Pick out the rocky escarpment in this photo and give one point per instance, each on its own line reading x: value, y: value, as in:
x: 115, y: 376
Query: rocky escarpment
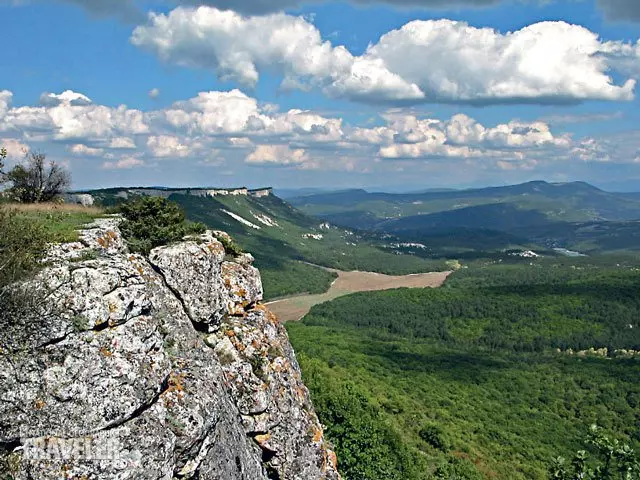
x: 153, y: 368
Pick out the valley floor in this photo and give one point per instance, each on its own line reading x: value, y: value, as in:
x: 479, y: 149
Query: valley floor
x: 296, y: 307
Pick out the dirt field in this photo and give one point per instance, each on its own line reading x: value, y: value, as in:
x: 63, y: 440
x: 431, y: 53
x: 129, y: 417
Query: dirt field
x: 294, y: 308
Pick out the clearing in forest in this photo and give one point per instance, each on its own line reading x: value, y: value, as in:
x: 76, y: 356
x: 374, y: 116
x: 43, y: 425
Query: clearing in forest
x: 294, y: 308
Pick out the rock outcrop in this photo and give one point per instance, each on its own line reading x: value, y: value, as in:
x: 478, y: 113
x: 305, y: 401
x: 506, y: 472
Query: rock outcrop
x: 166, y: 367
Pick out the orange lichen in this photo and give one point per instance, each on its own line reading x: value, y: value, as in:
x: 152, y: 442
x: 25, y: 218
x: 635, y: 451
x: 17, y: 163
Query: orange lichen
x: 106, y: 352
x: 176, y: 388
x: 333, y: 458
x: 39, y: 404
x: 262, y: 439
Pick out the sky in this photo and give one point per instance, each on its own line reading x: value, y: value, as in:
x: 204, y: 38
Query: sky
x: 395, y: 94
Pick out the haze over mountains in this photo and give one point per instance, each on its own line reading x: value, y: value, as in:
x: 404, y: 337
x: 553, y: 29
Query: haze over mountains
x: 551, y: 214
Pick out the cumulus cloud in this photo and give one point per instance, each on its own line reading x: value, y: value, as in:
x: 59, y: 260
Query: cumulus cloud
x: 277, y: 155
x: 218, y: 127
x: 123, y: 164
x: 167, y: 146
x: 122, y: 143
x: 237, y: 48
x: 15, y: 148
x: 67, y: 97
x: 547, y: 61
x: 154, y: 93
x: 423, y: 61
x: 462, y: 137
x: 623, y: 57
x: 82, y: 150
x: 70, y: 116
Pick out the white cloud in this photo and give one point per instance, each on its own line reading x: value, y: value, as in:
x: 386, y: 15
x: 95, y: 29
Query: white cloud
x: 67, y: 97
x: 591, y: 150
x: 237, y: 48
x: 15, y: 148
x: 5, y: 102
x: 227, y: 128
x: 461, y: 137
x: 277, y: 155
x: 84, y: 151
x: 423, y: 61
x: 71, y: 116
x: 623, y: 57
x: 154, y: 93
x: 123, y: 143
x: 124, y: 163
x: 546, y: 62
x: 167, y: 146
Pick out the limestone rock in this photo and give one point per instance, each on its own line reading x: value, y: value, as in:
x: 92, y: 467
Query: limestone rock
x: 110, y: 376
x: 192, y: 271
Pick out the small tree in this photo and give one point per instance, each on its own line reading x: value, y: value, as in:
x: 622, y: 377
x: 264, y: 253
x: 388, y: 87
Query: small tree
x: 612, y: 461
x: 150, y: 222
x: 37, y: 180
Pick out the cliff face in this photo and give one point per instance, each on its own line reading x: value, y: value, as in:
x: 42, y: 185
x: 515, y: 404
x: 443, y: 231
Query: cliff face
x: 159, y: 368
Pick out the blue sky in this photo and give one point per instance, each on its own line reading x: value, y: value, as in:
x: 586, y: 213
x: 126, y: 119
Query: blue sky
x: 296, y: 94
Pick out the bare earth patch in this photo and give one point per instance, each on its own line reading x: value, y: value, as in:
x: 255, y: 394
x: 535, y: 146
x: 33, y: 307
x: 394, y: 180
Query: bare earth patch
x: 294, y: 308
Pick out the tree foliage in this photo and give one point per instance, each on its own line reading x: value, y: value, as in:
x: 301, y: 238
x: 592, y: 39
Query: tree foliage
x: 610, y: 460
x: 467, y: 378
x: 37, y: 180
x: 150, y: 222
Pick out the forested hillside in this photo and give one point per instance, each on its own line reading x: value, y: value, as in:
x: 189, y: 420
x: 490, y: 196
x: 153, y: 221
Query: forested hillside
x: 574, y: 215
x: 490, y: 376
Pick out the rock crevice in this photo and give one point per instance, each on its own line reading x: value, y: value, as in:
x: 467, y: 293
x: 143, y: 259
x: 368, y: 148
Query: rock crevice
x: 170, y: 361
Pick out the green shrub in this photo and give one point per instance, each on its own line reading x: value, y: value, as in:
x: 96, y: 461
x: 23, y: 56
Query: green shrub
x: 433, y: 435
x: 230, y: 247
x: 151, y: 222
x: 457, y: 469
x: 23, y: 243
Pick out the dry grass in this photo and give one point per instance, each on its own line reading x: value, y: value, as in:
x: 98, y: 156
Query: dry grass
x: 294, y: 308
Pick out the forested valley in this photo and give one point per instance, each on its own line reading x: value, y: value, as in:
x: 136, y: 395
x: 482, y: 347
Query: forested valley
x: 494, y: 375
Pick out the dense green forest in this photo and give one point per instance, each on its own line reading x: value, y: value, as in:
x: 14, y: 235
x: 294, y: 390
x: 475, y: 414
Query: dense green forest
x: 475, y: 380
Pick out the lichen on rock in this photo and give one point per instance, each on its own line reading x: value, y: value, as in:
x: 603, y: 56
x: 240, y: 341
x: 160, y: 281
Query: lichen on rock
x: 171, y: 361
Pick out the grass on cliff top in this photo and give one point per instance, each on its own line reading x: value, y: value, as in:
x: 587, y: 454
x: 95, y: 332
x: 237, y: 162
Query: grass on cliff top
x: 60, y: 222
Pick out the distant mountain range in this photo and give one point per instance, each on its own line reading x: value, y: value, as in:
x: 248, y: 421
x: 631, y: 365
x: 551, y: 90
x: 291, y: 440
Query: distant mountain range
x: 357, y: 229
x: 551, y: 214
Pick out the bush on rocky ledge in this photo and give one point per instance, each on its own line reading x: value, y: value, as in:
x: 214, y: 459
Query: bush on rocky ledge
x: 151, y: 222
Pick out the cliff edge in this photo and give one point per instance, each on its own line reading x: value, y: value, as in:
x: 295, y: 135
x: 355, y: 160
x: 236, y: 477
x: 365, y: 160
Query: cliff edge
x: 166, y: 367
